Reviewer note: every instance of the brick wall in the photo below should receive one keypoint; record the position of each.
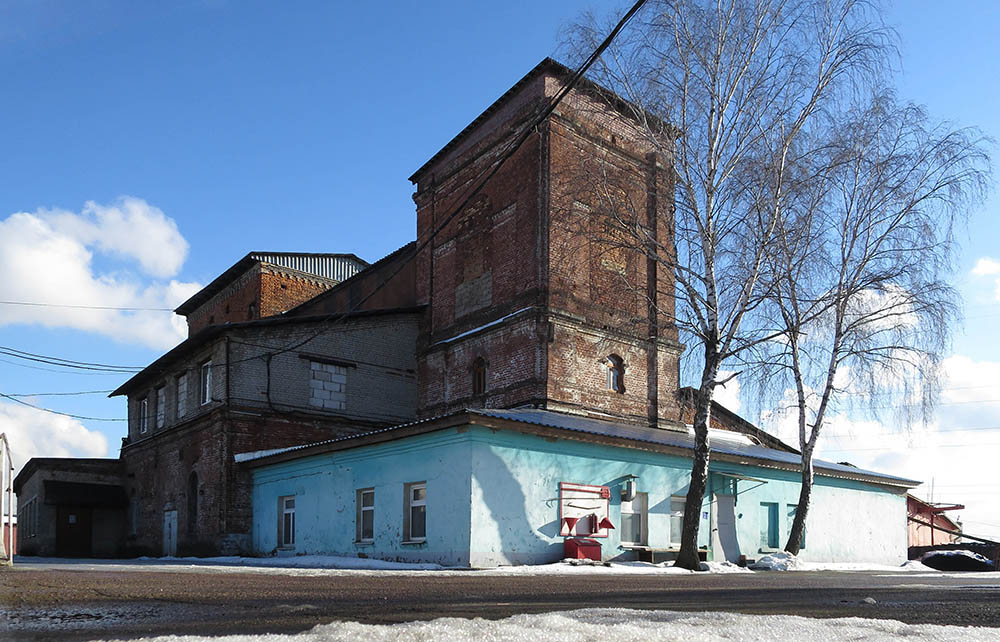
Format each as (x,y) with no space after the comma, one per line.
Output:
(263,290)
(393,276)
(158,475)
(535,244)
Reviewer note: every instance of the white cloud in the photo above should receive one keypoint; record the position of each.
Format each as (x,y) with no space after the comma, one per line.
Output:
(989,267)
(956,452)
(728,394)
(35,433)
(48,257)
(986,267)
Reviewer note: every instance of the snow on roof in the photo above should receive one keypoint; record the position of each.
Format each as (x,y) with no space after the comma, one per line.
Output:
(721,441)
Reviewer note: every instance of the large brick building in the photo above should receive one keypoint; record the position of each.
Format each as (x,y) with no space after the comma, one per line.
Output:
(524,298)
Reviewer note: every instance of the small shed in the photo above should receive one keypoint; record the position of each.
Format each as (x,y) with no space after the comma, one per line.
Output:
(70,507)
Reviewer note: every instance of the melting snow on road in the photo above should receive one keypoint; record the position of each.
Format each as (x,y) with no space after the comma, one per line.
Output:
(623,625)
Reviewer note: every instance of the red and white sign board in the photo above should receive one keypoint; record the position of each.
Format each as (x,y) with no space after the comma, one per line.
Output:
(583,510)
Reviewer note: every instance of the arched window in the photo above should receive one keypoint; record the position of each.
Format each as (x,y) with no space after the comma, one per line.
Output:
(615,372)
(479,376)
(192,497)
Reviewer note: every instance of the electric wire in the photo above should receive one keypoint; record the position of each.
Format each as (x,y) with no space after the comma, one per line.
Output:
(66,363)
(56,412)
(479,182)
(85,307)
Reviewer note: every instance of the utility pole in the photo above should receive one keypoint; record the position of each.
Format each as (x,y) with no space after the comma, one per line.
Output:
(6,485)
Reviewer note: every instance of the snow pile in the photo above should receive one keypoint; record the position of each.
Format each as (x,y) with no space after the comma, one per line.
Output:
(301,561)
(625,625)
(779,561)
(593,566)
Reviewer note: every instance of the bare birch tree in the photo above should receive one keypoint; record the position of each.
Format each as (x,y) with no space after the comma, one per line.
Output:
(719,86)
(858,281)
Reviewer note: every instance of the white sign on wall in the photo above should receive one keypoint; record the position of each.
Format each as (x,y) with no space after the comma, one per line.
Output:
(583,510)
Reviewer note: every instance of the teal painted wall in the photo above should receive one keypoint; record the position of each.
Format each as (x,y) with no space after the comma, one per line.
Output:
(492,499)
(325,488)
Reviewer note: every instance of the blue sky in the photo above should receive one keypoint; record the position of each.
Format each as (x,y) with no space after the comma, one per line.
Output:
(148,146)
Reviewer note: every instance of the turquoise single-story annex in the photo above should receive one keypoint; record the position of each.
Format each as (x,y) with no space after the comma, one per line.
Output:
(484,488)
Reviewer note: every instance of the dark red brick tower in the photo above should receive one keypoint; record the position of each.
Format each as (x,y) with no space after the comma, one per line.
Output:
(532,299)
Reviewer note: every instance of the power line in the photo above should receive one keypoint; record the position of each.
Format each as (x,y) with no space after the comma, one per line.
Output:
(56,412)
(66,363)
(25,365)
(85,307)
(479,183)
(59,394)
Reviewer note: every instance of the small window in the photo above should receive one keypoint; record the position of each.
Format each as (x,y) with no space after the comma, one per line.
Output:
(768,525)
(479,376)
(790,518)
(161,406)
(143,415)
(615,373)
(181,388)
(251,312)
(677,503)
(366,515)
(634,519)
(205,390)
(415,514)
(286,521)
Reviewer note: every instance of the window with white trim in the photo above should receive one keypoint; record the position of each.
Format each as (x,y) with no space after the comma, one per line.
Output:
(205,389)
(415,512)
(366,516)
(143,415)
(677,503)
(615,367)
(161,406)
(286,521)
(634,520)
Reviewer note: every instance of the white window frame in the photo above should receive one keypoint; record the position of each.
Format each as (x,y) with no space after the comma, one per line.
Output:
(409,505)
(360,519)
(143,415)
(677,504)
(286,531)
(639,505)
(205,382)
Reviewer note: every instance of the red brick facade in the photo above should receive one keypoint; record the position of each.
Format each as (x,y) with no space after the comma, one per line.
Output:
(524,276)
(262,291)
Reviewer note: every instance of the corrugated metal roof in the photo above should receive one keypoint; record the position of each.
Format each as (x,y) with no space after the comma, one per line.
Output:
(673,438)
(721,442)
(337,267)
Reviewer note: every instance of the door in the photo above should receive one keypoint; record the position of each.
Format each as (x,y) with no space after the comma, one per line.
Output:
(73,531)
(170,532)
(725,544)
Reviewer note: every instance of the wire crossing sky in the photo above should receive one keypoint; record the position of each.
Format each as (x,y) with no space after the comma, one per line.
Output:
(149,146)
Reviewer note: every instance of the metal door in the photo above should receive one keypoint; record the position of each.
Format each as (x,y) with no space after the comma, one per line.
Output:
(725,544)
(73,531)
(170,532)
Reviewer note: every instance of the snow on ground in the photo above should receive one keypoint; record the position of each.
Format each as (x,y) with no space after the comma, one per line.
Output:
(784,561)
(330,564)
(624,625)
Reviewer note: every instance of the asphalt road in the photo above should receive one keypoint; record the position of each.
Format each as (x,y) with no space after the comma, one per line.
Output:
(65,601)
